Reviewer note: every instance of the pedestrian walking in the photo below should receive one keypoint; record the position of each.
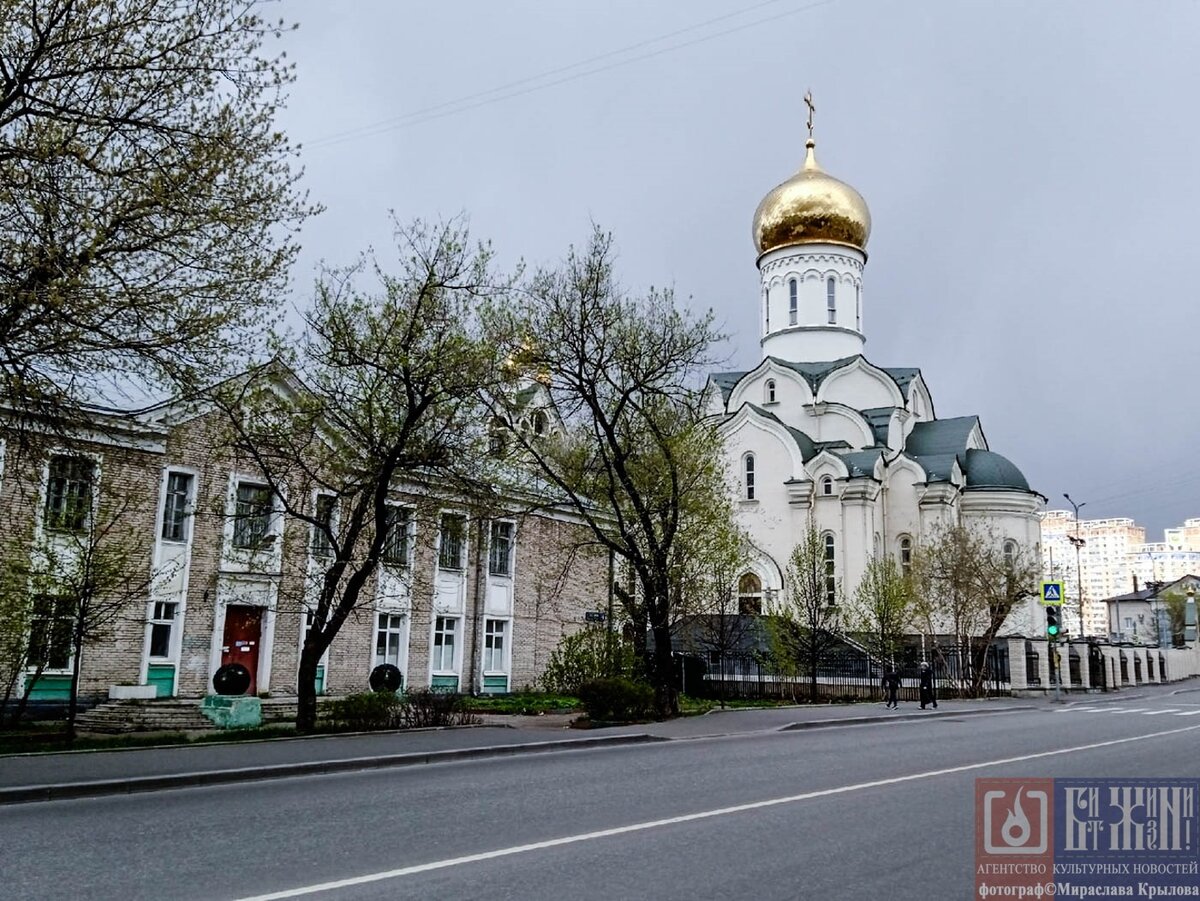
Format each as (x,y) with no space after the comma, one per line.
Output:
(891,686)
(927,695)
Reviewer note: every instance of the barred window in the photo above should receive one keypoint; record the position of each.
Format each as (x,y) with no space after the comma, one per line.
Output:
(500,549)
(69,493)
(397,545)
(252,515)
(450,544)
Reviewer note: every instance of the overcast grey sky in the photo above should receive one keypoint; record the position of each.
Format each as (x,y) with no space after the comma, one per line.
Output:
(1030,169)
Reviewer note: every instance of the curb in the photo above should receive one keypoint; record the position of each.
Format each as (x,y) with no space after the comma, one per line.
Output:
(34,793)
(895,717)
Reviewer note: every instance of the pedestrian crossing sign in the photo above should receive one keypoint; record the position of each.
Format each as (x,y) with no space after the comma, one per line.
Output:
(1052,593)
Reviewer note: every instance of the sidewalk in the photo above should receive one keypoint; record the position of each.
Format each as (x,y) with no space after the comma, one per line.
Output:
(89,773)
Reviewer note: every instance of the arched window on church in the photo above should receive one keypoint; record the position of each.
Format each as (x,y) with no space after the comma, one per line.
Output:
(539,422)
(858,307)
(769,391)
(830,571)
(827,486)
(793,303)
(831,299)
(1010,555)
(905,555)
(748,470)
(767,308)
(750,594)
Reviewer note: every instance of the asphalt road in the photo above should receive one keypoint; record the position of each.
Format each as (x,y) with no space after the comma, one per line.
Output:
(882,810)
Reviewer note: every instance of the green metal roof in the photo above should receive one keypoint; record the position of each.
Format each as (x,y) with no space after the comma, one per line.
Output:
(938,467)
(879,418)
(808,448)
(725,381)
(988,469)
(815,373)
(940,436)
(861,463)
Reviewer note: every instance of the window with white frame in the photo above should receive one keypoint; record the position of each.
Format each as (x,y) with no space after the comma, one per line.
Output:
(750,595)
(51,623)
(495,640)
(69,493)
(177,506)
(793,303)
(769,393)
(500,549)
(767,309)
(322,528)
(389,638)
(445,639)
(251,515)
(398,544)
(858,307)
(748,477)
(827,486)
(831,299)
(162,628)
(830,571)
(451,541)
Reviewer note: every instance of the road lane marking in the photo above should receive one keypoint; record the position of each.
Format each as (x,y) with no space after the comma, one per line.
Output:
(1188,713)
(1161,712)
(686,818)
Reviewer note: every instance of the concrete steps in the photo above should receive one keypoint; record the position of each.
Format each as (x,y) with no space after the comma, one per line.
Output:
(170,715)
(165,715)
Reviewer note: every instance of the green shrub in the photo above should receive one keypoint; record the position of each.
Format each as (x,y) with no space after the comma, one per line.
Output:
(374,710)
(587,655)
(366,711)
(617,700)
(426,708)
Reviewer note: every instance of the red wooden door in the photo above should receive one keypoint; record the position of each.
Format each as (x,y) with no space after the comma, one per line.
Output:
(243,636)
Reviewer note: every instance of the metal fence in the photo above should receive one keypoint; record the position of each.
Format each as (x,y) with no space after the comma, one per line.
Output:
(845,674)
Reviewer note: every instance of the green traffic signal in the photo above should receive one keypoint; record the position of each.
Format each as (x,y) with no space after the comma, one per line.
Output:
(1052,626)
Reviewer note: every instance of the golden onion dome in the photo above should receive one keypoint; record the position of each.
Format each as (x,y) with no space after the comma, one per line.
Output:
(811,207)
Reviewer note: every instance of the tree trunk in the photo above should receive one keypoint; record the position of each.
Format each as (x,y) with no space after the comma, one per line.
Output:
(306,689)
(662,675)
(73,701)
(813,657)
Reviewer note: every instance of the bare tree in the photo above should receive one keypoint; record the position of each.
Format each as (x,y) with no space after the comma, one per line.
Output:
(807,625)
(966,584)
(384,423)
(635,450)
(148,203)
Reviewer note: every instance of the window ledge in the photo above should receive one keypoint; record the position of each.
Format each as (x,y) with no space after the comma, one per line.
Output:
(748,502)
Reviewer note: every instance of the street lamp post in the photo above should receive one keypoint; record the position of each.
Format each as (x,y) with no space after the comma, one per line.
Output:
(1078,542)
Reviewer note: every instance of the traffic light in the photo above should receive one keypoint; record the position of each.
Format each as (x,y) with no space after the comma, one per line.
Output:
(1052,624)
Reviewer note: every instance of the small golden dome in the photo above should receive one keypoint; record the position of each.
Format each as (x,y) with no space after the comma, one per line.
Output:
(811,207)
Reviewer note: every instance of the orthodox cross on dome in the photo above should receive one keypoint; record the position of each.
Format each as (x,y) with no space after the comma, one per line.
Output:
(808,101)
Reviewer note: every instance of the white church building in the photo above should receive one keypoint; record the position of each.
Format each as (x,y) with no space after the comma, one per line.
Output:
(818,429)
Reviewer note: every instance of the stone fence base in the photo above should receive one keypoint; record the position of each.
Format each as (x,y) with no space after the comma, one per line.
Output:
(1079,666)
